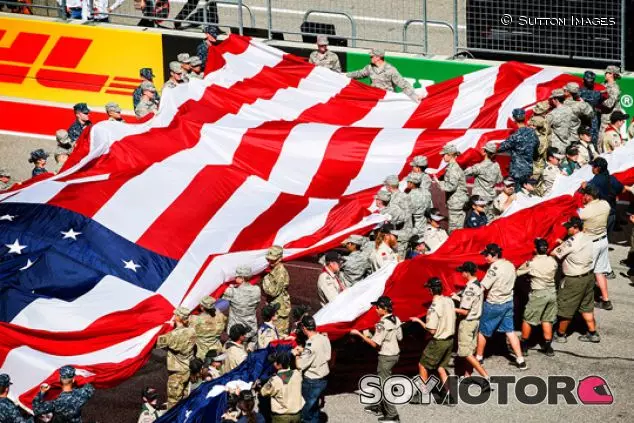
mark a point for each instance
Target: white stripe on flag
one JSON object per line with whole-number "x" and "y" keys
{"x": 390, "y": 112}
{"x": 306, "y": 222}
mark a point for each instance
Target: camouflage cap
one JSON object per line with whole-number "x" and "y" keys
{"x": 113, "y": 106}
{"x": 557, "y": 93}
{"x": 572, "y": 87}
{"x": 244, "y": 272}
{"x": 183, "y": 58}
{"x": 61, "y": 151}
{"x": 5, "y": 380}
{"x": 541, "y": 108}
{"x": 537, "y": 121}
{"x": 449, "y": 149}
{"x": 354, "y": 239}
{"x": 4, "y": 172}
{"x": 384, "y": 196}
{"x": 419, "y": 161}
{"x": 148, "y": 86}
{"x": 391, "y": 180}
{"x": 613, "y": 69}
{"x": 147, "y": 73}
{"x": 176, "y": 67}
{"x": 491, "y": 147}
{"x": 67, "y": 372}
{"x": 207, "y": 302}
{"x": 182, "y": 312}
{"x": 378, "y": 52}
{"x": 415, "y": 178}
{"x": 62, "y": 137}
{"x": 322, "y": 40}
{"x": 518, "y": 114}
{"x": 195, "y": 61}
{"x": 275, "y": 253}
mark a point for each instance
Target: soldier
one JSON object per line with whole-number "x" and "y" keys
{"x": 419, "y": 165}
{"x": 551, "y": 171}
{"x": 455, "y": 186}
{"x": 114, "y": 112}
{"x": 433, "y": 236}
{"x": 383, "y": 75}
{"x": 5, "y": 179}
{"x": 403, "y": 231}
{"x": 267, "y": 332}
{"x": 613, "y": 92}
{"x": 38, "y": 158}
{"x": 285, "y": 390}
{"x": 64, "y": 141}
{"x": 576, "y": 292}
{"x": 9, "y": 412}
{"x": 323, "y": 56}
{"x": 569, "y": 165}
{"x": 180, "y": 343}
{"x": 542, "y": 301}
{"x": 235, "y": 347}
{"x": 559, "y": 120}
{"x": 82, "y": 120}
{"x": 148, "y": 102}
{"x": 184, "y": 60}
{"x": 275, "y": 286}
{"x": 61, "y": 155}
{"x": 611, "y": 138}
{"x": 395, "y": 215}
{"x": 420, "y": 201}
{"x": 209, "y": 326}
{"x": 44, "y": 413}
{"x": 146, "y": 75}
{"x": 312, "y": 360}
{"x": 244, "y": 299}
{"x": 593, "y": 98}
{"x": 475, "y": 212}
{"x": 487, "y": 175}
{"x": 522, "y": 145}
{"x": 356, "y": 265}
{"x": 176, "y": 76}
{"x": 67, "y": 406}
{"x": 497, "y": 312}
{"x": 330, "y": 284}
{"x": 582, "y": 111}
{"x": 196, "y": 71}
{"x": 504, "y": 200}
{"x": 387, "y": 334}
{"x": 587, "y": 152}
{"x": 538, "y": 123}
{"x": 202, "y": 51}
{"x": 149, "y": 408}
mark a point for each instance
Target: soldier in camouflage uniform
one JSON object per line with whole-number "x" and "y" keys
{"x": 9, "y": 412}
{"x": 244, "y": 299}
{"x": 582, "y": 111}
{"x": 487, "y": 175}
{"x": 539, "y": 124}
{"x": 148, "y": 103}
{"x": 180, "y": 344}
{"x": 5, "y": 179}
{"x": 184, "y": 60}
{"x": 593, "y": 98}
{"x": 399, "y": 199}
{"x": 81, "y": 121}
{"x": 356, "y": 265}
{"x": 202, "y": 51}
{"x": 146, "y": 74}
{"x": 323, "y": 56}
{"x": 559, "y": 120}
{"x": 196, "y": 69}
{"x": 383, "y": 75}
{"x": 67, "y": 406}
{"x": 455, "y": 186}
{"x": 522, "y": 146}
{"x": 176, "y": 76}
{"x": 275, "y": 286}
{"x": 209, "y": 326}
{"x": 420, "y": 201}
{"x": 613, "y": 101}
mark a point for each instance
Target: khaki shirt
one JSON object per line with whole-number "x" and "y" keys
{"x": 267, "y": 333}
{"x": 236, "y": 354}
{"x": 314, "y": 359}
{"x": 542, "y": 269}
{"x": 434, "y": 238}
{"x": 577, "y": 254}
{"x": 180, "y": 348}
{"x": 472, "y": 298}
{"x": 387, "y": 334}
{"x": 285, "y": 390}
{"x": 214, "y": 373}
{"x": 584, "y": 153}
{"x": 499, "y": 281}
{"x": 381, "y": 256}
{"x": 441, "y": 316}
{"x": 328, "y": 287}
{"x": 595, "y": 218}
{"x": 499, "y": 206}
{"x": 611, "y": 139}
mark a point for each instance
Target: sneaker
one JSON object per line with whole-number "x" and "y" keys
{"x": 610, "y": 275}
{"x": 522, "y": 365}
{"x": 562, "y": 339}
{"x": 374, "y": 410}
{"x": 625, "y": 262}
{"x": 590, "y": 338}
{"x": 387, "y": 419}
{"x": 549, "y": 351}
{"x": 605, "y": 305}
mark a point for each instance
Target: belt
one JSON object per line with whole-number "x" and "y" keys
{"x": 579, "y": 276}
{"x": 599, "y": 239}
{"x": 75, "y": 8}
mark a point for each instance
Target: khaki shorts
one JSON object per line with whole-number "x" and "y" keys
{"x": 437, "y": 353}
{"x": 541, "y": 307}
{"x": 575, "y": 294}
{"x": 467, "y": 337}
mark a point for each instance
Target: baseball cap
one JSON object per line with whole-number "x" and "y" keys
{"x": 5, "y": 380}
{"x": 322, "y": 40}
{"x": 449, "y": 149}
{"x": 309, "y": 322}
{"x": 62, "y": 136}
{"x": 195, "y": 61}
{"x": 557, "y": 93}
{"x": 182, "y": 312}
{"x": 574, "y": 221}
{"x": 67, "y": 372}
{"x": 491, "y": 147}
{"x": 519, "y": 114}
{"x": 113, "y": 106}
{"x": 583, "y": 130}
{"x": 618, "y": 115}
{"x": 478, "y": 201}
{"x": 377, "y": 52}
{"x": 176, "y": 67}
{"x": 244, "y": 272}
{"x": 509, "y": 181}
{"x": 148, "y": 86}
{"x": 419, "y": 161}
{"x": 391, "y": 180}
{"x": 491, "y": 249}
{"x": 81, "y": 107}
{"x": 572, "y": 87}
{"x": 433, "y": 282}
{"x": 383, "y": 196}
{"x": 383, "y": 301}
{"x": 613, "y": 70}
{"x": 207, "y": 302}
{"x": 354, "y": 239}
{"x": 415, "y": 178}
{"x": 467, "y": 266}
{"x": 589, "y": 75}
{"x": 554, "y": 152}
{"x": 434, "y": 214}
{"x": 183, "y": 58}
{"x": 540, "y": 244}
{"x": 274, "y": 252}
{"x": 147, "y": 73}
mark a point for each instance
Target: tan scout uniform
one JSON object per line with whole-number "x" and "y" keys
{"x": 382, "y": 256}
{"x": 285, "y": 390}
{"x": 236, "y": 354}
{"x": 327, "y": 60}
{"x": 387, "y": 334}
{"x": 549, "y": 175}
{"x": 180, "y": 350}
{"x": 595, "y": 223}
{"x": 266, "y": 334}
{"x": 587, "y": 152}
{"x": 499, "y": 281}
{"x": 576, "y": 292}
{"x": 208, "y": 331}
{"x": 313, "y": 361}
{"x": 472, "y": 299}
{"x": 434, "y": 238}
{"x": 329, "y": 285}
{"x": 542, "y": 301}
{"x": 441, "y": 316}
{"x": 611, "y": 139}
{"x": 275, "y": 286}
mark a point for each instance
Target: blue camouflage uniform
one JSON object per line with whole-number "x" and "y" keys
{"x": 201, "y": 51}
{"x": 76, "y": 129}
{"x": 10, "y": 413}
{"x": 67, "y": 406}
{"x": 38, "y": 171}
{"x": 593, "y": 98}
{"x": 522, "y": 145}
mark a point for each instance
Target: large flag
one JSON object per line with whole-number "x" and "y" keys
{"x": 267, "y": 149}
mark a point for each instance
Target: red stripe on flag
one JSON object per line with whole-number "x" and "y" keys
{"x": 436, "y": 106}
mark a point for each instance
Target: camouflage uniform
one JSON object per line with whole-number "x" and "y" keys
{"x": 145, "y": 107}
{"x": 455, "y": 187}
{"x": 328, "y": 60}
{"x": 610, "y": 104}
{"x": 559, "y": 121}
{"x": 170, "y": 84}
{"x": 275, "y": 286}
{"x": 582, "y": 114}
{"x": 404, "y": 232}
{"x": 487, "y": 175}
{"x": 548, "y": 179}
{"x": 194, "y": 75}
{"x": 538, "y": 122}
{"x": 9, "y": 412}
{"x": 180, "y": 344}
{"x": 522, "y": 145}
{"x": 208, "y": 328}
{"x": 67, "y": 406}
{"x": 138, "y": 93}
{"x": 420, "y": 200}
{"x": 385, "y": 77}
{"x": 355, "y": 267}
{"x": 75, "y": 130}
{"x": 243, "y": 303}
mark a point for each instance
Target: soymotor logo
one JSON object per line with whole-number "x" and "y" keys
{"x": 530, "y": 390}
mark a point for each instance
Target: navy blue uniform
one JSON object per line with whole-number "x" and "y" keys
{"x": 67, "y": 406}
{"x": 593, "y": 98}
{"x": 522, "y": 145}
{"x": 475, "y": 220}
{"x": 9, "y": 412}
{"x": 38, "y": 171}
{"x": 76, "y": 129}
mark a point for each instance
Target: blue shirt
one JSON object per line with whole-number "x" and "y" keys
{"x": 475, "y": 220}
{"x": 608, "y": 186}
{"x": 38, "y": 171}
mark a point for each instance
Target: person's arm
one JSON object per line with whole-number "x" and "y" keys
{"x": 337, "y": 64}
{"x": 115, "y": 5}
{"x": 473, "y": 170}
{"x": 450, "y": 182}
{"x": 270, "y": 388}
{"x": 312, "y": 59}
{"x": 507, "y": 144}
{"x": 523, "y": 269}
{"x": 378, "y": 336}
{"x": 360, "y": 74}
{"x": 402, "y": 83}
{"x": 489, "y": 279}
{"x": 86, "y": 392}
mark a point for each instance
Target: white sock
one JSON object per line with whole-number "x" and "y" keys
{"x": 519, "y": 360}
{"x": 479, "y": 357}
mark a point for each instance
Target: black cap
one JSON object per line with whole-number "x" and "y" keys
{"x": 589, "y": 75}
{"x": 269, "y": 310}
{"x": 433, "y": 282}
{"x": 553, "y": 152}
{"x": 618, "y": 115}
{"x": 332, "y": 256}
{"x": 541, "y": 245}
{"x": 491, "y": 249}
{"x": 309, "y": 322}
{"x": 571, "y": 150}
{"x": 584, "y": 130}
{"x": 386, "y": 228}
{"x": 467, "y": 266}
{"x": 5, "y": 380}
{"x": 81, "y": 107}
{"x": 383, "y": 302}
{"x": 590, "y": 190}
{"x": 150, "y": 393}
{"x": 574, "y": 222}
{"x": 246, "y": 395}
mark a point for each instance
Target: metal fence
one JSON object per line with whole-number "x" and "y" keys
{"x": 575, "y": 29}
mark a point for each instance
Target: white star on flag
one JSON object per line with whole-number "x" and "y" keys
{"x": 28, "y": 264}
{"x": 130, "y": 265}
{"x": 70, "y": 234}
{"x": 15, "y": 248}
{"x": 8, "y": 217}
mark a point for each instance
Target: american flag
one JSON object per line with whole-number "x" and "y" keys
{"x": 267, "y": 149}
